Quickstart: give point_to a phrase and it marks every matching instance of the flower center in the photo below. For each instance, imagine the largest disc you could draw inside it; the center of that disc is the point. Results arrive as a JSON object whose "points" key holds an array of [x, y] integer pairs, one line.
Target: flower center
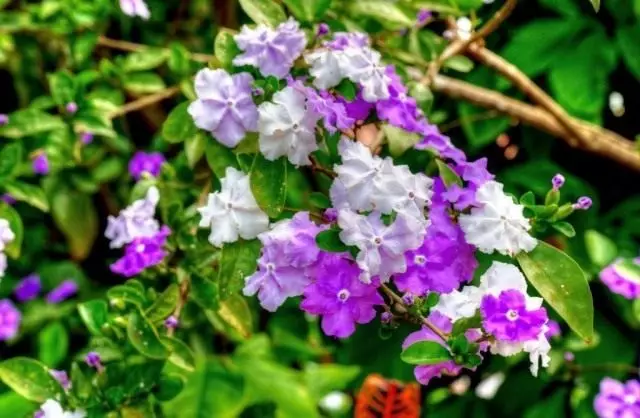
{"points": [[343, 295], [629, 399], [270, 267], [230, 103], [419, 259], [412, 195], [140, 248], [296, 126], [512, 315], [377, 240], [229, 205]]}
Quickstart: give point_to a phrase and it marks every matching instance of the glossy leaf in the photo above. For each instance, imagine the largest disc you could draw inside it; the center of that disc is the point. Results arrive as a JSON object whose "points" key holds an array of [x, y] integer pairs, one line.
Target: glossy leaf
{"points": [[308, 10], [144, 59], [204, 292], [53, 344], [126, 294], [164, 305], [30, 379], [219, 157], [169, 387], [94, 315], [142, 83], [76, 217], [144, 337], [30, 122], [11, 156], [237, 261], [236, 315], [268, 12], [179, 125], [194, 148], [329, 240], [269, 184], [390, 15], [627, 38], [225, 47], [180, 353], [447, 175], [425, 352]]}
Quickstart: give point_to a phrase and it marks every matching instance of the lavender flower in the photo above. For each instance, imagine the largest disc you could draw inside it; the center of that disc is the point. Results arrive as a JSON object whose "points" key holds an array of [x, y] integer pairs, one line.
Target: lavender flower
{"points": [[146, 162], [399, 109], [86, 138], [94, 360], [322, 30], [408, 299], [71, 107], [507, 318], [52, 409], [62, 292], [553, 330], [433, 140], [40, 164], [569, 356], [171, 322], [135, 8], [423, 16], [10, 319], [4, 119], [142, 253], [358, 108], [339, 297], [386, 317], [8, 199], [621, 277], [334, 115], [617, 399], [28, 289], [224, 105], [583, 203], [62, 378], [557, 181], [135, 221]]}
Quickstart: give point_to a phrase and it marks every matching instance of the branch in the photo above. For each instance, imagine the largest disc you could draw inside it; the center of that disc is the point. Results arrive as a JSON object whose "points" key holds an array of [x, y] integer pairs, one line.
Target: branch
{"points": [[596, 139], [145, 101], [133, 47]]}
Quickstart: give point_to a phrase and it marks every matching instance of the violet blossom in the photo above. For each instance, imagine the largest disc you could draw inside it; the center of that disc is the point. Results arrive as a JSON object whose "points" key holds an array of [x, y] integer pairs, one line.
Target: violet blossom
{"points": [[4, 119], [28, 288], [61, 377], [94, 360], [71, 108], [135, 221], [40, 164], [583, 203], [171, 322], [557, 181], [617, 399], [8, 199], [507, 318], [145, 162], [142, 253], [62, 292], [86, 138], [621, 277], [10, 319]]}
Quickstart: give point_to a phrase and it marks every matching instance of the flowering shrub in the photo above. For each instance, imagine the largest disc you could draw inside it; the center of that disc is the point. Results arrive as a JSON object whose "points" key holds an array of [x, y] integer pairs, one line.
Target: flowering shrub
{"points": [[297, 195]]}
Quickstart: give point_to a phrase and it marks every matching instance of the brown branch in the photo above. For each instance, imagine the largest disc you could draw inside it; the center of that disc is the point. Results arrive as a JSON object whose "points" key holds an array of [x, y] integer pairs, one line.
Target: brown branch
{"points": [[145, 101], [596, 139], [133, 47]]}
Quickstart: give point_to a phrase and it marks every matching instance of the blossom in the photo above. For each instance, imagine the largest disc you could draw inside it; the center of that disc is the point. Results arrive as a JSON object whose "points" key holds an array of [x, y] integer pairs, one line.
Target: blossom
{"points": [[94, 360], [62, 292], [381, 247], [52, 409], [507, 318], [333, 113], [339, 297], [617, 399], [358, 108], [8, 199], [71, 108], [475, 172], [142, 253], [553, 330], [61, 377], [498, 224], [433, 140], [583, 203], [3, 264], [325, 67], [135, 8], [135, 221], [6, 234], [28, 288], [86, 138], [4, 119], [40, 164], [233, 212], [224, 105], [557, 181], [621, 277], [143, 162], [363, 66], [397, 188], [345, 40], [10, 319], [399, 109], [423, 15], [272, 51], [322, 30], [287, 127], [171, 322]]}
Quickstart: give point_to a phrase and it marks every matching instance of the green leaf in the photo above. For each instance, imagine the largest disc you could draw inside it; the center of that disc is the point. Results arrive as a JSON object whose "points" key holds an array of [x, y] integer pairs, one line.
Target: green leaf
{"points": [[562, 284], [11, 156], [321, 379], [528, 199], [141, 83], [28, 193], [459, 63], [169, 387], [319, 200], [53, 344], [194, 148], [80, 384], [463, 324], [204, 292], [15, 222], [628, 268], [30, 122], [108, 170], [76, 217], [219, 157], [627, 38], [329, 240], [62, 87], [390, 15], [144, 337], [237, 261], [447, 174], [30, 379], [565, 228], [126, 294], [595, 4], [269, 184], [179, 125], [225, 47], [94, 315], [144, 59], [399, 140], [180, 353], [179, 60], [425, 352], [308, 10], [601, 250], [347, 89], [268, 12], [164, 305]]}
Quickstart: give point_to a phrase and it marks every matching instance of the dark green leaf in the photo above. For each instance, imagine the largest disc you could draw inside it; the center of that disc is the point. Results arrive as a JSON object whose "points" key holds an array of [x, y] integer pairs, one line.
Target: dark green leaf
{"points": [[109, 169], [13, 249], [268, 12], [30, 379], [347, 89], [204, 292], [308, 10], [30, 122], [565, 228], [447, 174], [425, 352], [94, 315], [627, 38], [238, 260], [53, 344], [144, 337], [169, 387], [269, 184], [319, 200], [80, 384], [225, 47], [179, 60], [179, 125], [141, 83], [164, 305], [601, 249], [180, 353], [11, 156], [219, 157], [463, 324], [76, 217], [28, 193], [329, 240]]}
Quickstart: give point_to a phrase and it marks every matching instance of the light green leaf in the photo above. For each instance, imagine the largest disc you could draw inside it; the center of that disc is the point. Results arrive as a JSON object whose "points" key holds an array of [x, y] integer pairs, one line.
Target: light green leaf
{"points": [[76, 217], [629, 269], [28, 193], [30, 122], [425, 352], [180, 353], [164, 305], [53, 344], [268, 12], [235, 313], [121, 294], [627, 38], [15, 222], [459, 63], [141, 83], [308, 10], [565, 228], [179, 125], [204, 292], [390, 15], [237, 261], [447, 174], [62, 87], [29, 379], [601, 249], [94, 315], [194, 148], [11, 156], [595, 4], [225, 47], [144, 337], [269, 184], [562, 284], [144, 59], [324, 378], [109, 169], [399, 140], [179, 60]]}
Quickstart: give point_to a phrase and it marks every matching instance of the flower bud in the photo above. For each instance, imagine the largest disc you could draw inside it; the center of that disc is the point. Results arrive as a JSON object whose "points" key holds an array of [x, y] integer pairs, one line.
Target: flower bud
{"points": [[557, 181], [583, 203], [71, 108]]}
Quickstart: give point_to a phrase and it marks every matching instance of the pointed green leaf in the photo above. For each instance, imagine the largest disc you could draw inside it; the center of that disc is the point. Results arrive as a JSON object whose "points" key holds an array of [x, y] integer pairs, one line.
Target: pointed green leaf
{"points": [[30, 122], [219, 157], [164, 305], [237, 261], [268, 12], [180, 353], [595, 4], [329, 240], [144, 337], [11, 156], [76, 216], [30, 379], [204, 292], [94, 315], [225, 47], [269, 184], [425, 352], [179, 125], [53, 344], [448, 176]]}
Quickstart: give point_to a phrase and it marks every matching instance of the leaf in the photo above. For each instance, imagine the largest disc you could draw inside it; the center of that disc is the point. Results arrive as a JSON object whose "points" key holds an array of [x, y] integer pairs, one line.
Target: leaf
{"points": [[62, 87], [53, 344], [204, 292], [601, 250], [319, 200], [109, 169], [140, 83], [329, 240], [565, 228], [627, 39], [180, 353], [179, 125], [28, 193], [269, 184], [11, 156], [194, 148], [390, 15], [399, 140], [595, 4], [30, 379], [459, 63], [425, 352], [225, 47], [308, 10], [144, 59], [447, 174], [94, 315], [321, 379], [164, 305], [15, 222], [179, 60], [219, 157], [347, 89], [30, 122], [126, 294], [268, 12], [169, 387], [144, 337], [237, 261], [562, 284], [235, 312], [76, 217]]}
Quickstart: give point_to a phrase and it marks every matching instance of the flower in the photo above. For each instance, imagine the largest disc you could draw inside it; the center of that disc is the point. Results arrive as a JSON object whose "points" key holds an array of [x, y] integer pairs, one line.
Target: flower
{"points": [[381, 247], [475, 172], [423, 15], [583, 203], [498, 224], [358, 108], [171, 322], [28, 288], [86, 138], [145, 162], [386, 317], [287, 127], [553, 330], [333, 113], [433, 140], [345, 40], [3, 264], [507, 317], [142, 253], [6, 234], [621, 277], [40, 164], [272, 51], [363, 66], [339, 297], [464, 27], [52, 409], [8, 199], [617, 399], [135, 221], [135, 8], [557, 181], [62, 292], [4, 119], [233, 212], [399, 109], [71, 107], [322, 30], [62, 377], [94, 360], [224, 105], [10, 319], [325, 67]]}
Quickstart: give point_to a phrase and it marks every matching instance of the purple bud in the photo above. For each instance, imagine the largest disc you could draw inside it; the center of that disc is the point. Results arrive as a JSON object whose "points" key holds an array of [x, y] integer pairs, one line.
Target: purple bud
{"points": [[63, 292], [386, 317], [322, 30], [557, 181], [71, 108], [28, 288], [38, 414], [423, 16], [4, 119], [171, 322], [569, 356], [62, 378], [8, 199], [330, 215], [40, 164], [94, 360], [583, 203], [408, 299], [86, 138]]}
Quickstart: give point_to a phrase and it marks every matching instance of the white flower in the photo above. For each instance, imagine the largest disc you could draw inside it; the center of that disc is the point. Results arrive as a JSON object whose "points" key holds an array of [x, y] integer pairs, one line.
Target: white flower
{"points": [[538, 350], [233, 211], [464, 28], [499, 224], [400, 190], [460, 304], [287, 127], [6, 234], [325, 67], [362, 65], [135, 8], [616, 103], [53, 409], [488, 388], [135, 221], [3, 264]]}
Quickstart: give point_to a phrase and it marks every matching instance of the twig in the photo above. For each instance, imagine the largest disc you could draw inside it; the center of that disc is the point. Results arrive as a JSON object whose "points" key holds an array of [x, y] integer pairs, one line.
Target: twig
{"points": [[597, 140], [145, 101], [133, 47], [182, 300], [315, 166], [489, 114]]}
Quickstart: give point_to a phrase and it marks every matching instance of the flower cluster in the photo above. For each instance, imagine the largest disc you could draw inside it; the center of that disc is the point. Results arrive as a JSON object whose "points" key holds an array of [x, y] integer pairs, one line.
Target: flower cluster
{"points": [[617, 399]]}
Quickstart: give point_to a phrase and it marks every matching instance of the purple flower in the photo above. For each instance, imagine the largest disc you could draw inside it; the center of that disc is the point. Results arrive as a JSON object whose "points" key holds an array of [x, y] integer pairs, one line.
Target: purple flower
{"points": [[94, 360], [386, 317], [507, 318], [423, 16], [461, 197], [583, 203], [330, 215], [569, 356], [557, 181], [322, 30], [10, 319], [40, 164], [4, 119], [71, 108], [135, 221], [86, 138], [62, 292], [146, 162], [399, 109], [432, 139], [357, 109], [553, 329], [408, 299], [617, 399], [142, 253], [333, 112], [224, 105], [344, 40], [62, 377], [171, 322], [271, 51], [340, 297], [621, 277], [135, 8], [28, 288], [476, 172], [8, 199]]}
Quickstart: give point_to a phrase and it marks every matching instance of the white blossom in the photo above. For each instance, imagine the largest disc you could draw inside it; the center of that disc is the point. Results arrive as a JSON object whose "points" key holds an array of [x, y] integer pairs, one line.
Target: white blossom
{"points": [[135, 221], [287, 127], [460, 303], [6, 234], [464, 28], [488, 387], [326, 67], [498, 224], [135, 8], [401, 190], [3, 264], [52, 409], [538, 350], [362, 65], [233, 212]]}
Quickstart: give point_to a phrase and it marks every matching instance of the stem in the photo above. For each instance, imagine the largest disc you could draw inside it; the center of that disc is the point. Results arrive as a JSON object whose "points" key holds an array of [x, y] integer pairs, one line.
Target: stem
{"points": [[145, 101], [315, 166], [184, 295], [127, 46]]}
